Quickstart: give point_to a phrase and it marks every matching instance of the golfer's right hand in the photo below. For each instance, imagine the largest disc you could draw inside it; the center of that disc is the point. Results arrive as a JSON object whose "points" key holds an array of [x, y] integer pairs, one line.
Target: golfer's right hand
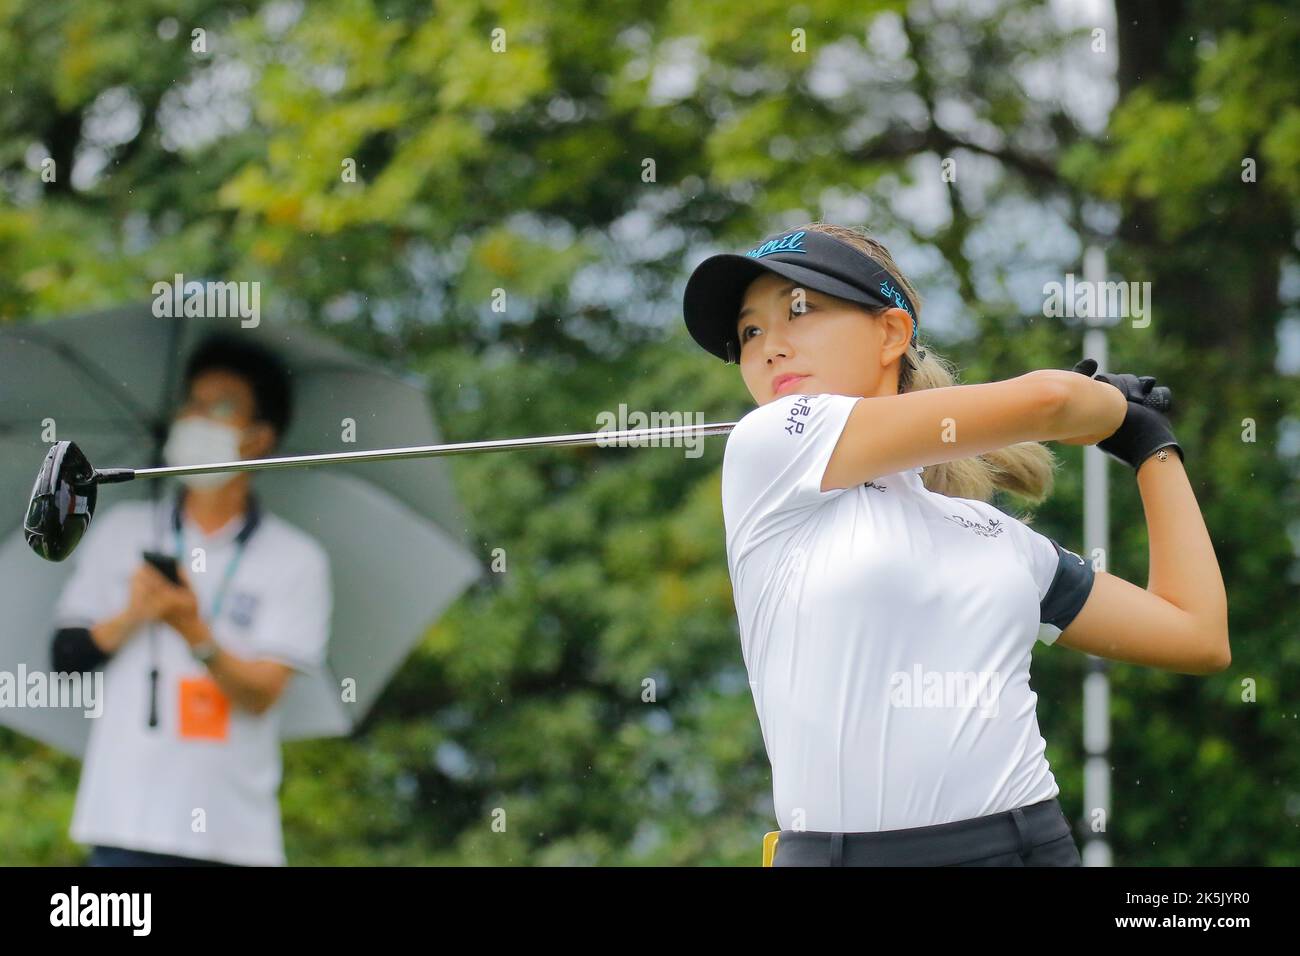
{"points": [[1144, 430], [1136, 388]]}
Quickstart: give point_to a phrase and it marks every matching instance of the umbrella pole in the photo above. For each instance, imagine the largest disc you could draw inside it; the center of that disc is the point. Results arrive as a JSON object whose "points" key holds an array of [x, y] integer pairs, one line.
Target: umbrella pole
{"points": [[158, 429]]}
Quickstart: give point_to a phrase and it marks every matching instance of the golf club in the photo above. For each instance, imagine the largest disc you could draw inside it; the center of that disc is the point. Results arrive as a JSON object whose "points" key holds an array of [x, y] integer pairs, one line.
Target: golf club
{"points": [[63, 498]]}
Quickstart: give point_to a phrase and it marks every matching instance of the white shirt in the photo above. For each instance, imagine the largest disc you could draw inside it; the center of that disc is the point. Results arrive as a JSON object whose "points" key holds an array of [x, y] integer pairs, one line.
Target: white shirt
{"points": [[887, 632], [148, 788]]}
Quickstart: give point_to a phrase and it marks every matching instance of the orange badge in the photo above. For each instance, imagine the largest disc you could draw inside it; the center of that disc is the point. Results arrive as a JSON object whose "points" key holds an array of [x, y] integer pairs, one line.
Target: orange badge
{"points": [[205, 710]]}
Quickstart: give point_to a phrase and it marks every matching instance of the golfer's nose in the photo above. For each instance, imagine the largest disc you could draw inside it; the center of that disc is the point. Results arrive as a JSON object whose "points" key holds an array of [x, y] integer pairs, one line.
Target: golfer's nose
{"points": [[775, 342]]}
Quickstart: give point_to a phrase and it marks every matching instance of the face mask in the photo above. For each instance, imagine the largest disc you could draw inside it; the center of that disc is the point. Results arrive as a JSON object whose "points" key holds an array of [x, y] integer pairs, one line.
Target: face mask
{"points": [[200, 441]]}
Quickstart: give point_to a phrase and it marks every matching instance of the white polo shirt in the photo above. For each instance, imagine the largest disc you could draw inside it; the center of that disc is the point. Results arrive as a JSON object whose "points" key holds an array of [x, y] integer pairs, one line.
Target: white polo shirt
{"points": [[216, 796], [887, 632]]}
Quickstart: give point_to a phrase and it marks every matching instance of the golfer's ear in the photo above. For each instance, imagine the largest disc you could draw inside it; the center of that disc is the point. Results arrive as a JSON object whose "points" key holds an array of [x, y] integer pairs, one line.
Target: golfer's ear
{"points": [[901, 324]]}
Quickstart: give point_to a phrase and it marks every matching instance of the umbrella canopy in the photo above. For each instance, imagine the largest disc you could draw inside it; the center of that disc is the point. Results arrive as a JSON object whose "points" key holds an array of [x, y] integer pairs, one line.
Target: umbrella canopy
{"points": [[394, 531]]}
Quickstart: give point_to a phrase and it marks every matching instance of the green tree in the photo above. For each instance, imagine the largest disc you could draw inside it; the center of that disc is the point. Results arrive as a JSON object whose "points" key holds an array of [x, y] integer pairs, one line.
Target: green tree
{"points": [[390, 171]]}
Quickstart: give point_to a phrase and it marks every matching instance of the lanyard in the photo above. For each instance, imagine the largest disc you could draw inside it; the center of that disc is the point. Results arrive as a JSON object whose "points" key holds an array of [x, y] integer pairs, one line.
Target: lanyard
{"points": [[241, 540], [225, 580]]}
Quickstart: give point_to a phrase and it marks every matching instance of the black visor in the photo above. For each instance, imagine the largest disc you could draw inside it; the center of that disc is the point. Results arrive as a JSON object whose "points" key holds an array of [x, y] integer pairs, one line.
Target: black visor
{"points": [[812, 259]]}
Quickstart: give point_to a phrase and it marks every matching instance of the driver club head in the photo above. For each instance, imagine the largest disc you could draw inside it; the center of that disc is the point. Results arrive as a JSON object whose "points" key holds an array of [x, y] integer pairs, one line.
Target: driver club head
{"points": [[62, 503]]}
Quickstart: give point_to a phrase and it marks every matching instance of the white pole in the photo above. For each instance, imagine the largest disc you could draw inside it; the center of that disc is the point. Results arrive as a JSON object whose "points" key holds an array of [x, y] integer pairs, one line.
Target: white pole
{"points": [[1096, 541]]}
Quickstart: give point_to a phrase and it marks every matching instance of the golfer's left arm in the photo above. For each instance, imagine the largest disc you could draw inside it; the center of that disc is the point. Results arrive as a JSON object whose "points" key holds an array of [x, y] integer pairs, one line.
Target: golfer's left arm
{"points": [[1180, 622]]}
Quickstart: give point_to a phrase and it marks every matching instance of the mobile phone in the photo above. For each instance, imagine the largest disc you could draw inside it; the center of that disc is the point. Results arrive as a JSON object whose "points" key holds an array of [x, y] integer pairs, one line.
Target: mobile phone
{"points": [[165, 563]]}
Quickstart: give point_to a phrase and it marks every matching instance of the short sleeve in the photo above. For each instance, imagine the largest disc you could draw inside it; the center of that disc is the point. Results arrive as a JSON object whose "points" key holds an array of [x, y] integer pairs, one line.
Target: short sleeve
{"points": [[294, 628], [774, 463], [1064, 581], [96, 589]]}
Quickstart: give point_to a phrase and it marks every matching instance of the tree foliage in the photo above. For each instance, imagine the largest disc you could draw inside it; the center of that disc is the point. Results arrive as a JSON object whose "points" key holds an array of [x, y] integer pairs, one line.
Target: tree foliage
{"points": [[582, 169]]}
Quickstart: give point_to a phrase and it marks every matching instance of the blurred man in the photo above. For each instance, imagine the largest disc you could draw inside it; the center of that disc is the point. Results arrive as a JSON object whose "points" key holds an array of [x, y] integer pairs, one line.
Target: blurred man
{"points": [[183, 766]]}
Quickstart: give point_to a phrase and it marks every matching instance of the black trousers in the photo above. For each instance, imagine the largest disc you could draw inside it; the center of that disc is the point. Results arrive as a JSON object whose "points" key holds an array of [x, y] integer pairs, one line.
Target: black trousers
{"points": [[120, 856], [1036, 835]]}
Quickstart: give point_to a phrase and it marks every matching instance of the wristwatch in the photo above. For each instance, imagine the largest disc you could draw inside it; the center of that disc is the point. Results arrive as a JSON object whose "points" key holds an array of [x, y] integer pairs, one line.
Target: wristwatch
{"points": [[205, 651]]}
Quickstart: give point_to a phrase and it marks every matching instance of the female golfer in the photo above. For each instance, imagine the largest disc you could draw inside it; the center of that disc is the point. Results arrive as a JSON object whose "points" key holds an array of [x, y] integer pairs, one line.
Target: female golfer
{"points": [[887, 610]]}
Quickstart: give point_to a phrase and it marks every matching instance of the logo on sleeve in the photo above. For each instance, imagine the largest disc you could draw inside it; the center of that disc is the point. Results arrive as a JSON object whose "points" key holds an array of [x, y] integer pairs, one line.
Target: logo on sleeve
{"points": [[991, 529], [798, 411]]}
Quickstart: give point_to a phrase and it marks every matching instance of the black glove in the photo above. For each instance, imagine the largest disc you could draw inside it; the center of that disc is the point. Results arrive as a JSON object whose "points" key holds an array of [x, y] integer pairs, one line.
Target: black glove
{"points": [[1145, 430], [1136, 388]]}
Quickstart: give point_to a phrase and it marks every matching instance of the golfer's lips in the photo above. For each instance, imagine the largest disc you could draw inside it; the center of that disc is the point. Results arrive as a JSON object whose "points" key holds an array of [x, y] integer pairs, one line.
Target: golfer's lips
{"points": [[782, 380]]}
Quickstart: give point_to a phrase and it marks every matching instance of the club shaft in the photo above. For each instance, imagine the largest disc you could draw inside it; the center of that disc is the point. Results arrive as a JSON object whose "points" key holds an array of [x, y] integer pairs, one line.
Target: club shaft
{"points": [[630, 438]]}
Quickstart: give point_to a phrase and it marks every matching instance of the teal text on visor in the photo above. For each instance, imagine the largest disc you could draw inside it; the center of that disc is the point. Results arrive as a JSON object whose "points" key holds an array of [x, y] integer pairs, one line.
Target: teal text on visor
{"points": [[788, 243]]}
